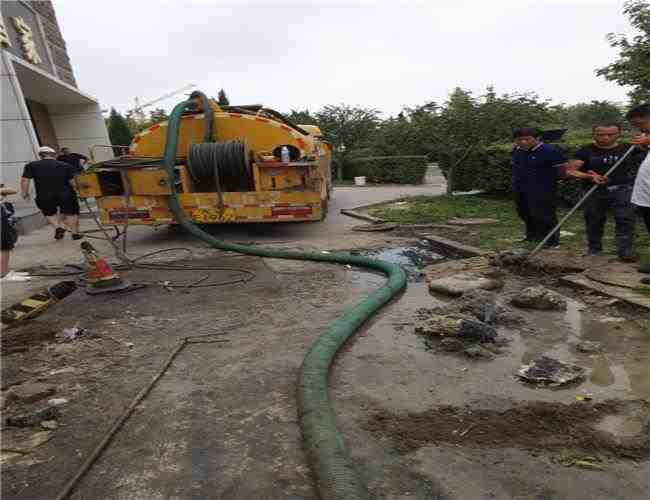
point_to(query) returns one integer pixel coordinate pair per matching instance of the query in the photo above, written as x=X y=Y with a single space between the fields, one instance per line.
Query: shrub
x=389 y=169
x=490 y=169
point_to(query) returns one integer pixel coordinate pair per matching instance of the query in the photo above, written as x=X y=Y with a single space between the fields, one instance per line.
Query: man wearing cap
x=55 y=196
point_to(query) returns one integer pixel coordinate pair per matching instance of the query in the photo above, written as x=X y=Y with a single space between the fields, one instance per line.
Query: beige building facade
x=40 y=103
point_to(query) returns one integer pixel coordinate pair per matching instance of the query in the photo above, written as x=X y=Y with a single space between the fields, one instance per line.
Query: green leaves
x=390 y=169
x=633 y=65
x=118 y=129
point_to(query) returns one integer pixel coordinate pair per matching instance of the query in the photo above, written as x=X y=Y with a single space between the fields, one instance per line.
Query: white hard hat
x=46 y=149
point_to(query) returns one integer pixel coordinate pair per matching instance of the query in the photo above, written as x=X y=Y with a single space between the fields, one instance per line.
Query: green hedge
x=490 y=169
x=388 y=169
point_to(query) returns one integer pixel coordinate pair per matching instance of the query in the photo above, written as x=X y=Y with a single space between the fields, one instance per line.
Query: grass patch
x=501 y=236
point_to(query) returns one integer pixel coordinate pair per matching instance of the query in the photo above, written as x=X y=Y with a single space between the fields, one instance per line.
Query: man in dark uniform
x=535 y=171
x=55 y=196
x=615 y=192
x=76 y=160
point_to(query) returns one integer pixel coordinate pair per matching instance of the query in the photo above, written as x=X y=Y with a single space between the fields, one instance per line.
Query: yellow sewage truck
x=233 y=164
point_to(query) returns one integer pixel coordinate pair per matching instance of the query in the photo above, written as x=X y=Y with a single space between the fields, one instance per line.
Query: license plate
x=295 y=211
x=122 y=215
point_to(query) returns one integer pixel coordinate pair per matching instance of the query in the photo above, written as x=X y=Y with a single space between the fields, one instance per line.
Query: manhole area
x=411 y=258
x=537 y=425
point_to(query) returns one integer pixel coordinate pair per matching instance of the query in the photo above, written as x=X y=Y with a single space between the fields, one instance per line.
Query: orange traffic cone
x=101 y=277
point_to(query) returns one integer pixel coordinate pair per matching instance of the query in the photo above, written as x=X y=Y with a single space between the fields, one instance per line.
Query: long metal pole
x=579 y=204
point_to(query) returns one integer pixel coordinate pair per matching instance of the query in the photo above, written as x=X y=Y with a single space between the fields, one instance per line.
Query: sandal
x=77 y=236
x=59 y=233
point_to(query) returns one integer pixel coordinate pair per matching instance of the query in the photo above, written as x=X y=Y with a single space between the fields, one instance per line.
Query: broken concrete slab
x=589 y=346
x=31 y=392
x=439 y=325
x=617 y=274
x=458 y=284
x=551 y=372
x=456 y=325
x=625 y=294
x=34 y=418
x=539 y=297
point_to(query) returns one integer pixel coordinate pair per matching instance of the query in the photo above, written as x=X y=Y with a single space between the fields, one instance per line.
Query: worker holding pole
x=614 y=192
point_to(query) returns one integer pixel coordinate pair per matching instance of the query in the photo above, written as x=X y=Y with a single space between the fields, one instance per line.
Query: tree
x=156 y=116
x=633 y=65
x=460 y=129
x=347 y=128
x=585 y=115
x=118 y=130
x=302 y=117
x=222 y=98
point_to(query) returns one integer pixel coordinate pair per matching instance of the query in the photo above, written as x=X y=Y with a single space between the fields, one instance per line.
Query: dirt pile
x=537 y=425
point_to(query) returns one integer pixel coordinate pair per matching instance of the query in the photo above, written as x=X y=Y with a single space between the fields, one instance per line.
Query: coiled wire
x=223 y=163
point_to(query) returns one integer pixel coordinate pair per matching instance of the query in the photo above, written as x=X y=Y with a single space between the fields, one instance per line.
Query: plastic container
x=284 y=155
x=360 y=181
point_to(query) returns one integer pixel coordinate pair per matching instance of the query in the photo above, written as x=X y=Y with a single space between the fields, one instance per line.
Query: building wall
x=18 y=142
x=50 y=45
x=64 y=115
x=79 y=127
x=44 y=129
x=55 y=41
x=10 y=11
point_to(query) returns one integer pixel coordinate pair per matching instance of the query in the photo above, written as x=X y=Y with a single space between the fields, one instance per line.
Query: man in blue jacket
x=535 y=171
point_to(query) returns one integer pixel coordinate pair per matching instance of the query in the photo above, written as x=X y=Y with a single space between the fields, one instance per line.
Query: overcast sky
x=306 y=54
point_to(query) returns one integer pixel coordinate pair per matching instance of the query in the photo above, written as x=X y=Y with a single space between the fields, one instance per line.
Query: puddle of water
x=411 y=259
x=621 y=367
x=417 y=378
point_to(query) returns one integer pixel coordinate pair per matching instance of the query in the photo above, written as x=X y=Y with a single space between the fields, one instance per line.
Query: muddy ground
x=420 y=423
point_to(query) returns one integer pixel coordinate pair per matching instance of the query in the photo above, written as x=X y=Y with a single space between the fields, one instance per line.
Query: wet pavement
x=222 y=421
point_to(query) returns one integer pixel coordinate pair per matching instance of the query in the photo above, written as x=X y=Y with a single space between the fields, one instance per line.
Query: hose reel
x=223 y=165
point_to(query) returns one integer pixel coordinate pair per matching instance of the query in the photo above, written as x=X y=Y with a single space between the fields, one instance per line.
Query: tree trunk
x=450 y=178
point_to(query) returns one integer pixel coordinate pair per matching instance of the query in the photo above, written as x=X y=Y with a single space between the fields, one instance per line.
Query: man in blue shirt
x=535 y=171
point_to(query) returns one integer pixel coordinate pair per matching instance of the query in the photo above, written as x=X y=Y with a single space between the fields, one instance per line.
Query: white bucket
x=360 y=181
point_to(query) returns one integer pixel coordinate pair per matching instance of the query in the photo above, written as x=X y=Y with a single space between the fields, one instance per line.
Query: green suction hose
x=335 y=474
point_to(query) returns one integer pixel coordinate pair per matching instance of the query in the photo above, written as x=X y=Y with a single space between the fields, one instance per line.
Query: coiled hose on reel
x=330 y=462
x=223 y=163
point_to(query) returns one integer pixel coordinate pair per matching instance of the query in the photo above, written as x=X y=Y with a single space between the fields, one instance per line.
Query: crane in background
x=137 y=114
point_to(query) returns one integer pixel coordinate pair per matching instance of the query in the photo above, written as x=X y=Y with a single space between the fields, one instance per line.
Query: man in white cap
x=55 y=196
